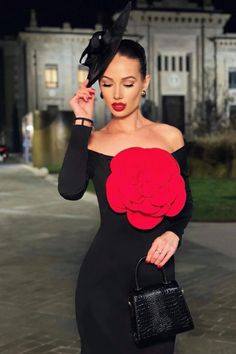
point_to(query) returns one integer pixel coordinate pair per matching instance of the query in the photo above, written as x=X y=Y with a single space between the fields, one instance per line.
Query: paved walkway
x=43 y=239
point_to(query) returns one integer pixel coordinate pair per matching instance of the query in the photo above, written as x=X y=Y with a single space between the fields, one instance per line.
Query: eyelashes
x=106 y=85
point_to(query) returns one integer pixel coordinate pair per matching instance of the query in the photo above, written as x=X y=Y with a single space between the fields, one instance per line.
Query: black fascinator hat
x=103 y=46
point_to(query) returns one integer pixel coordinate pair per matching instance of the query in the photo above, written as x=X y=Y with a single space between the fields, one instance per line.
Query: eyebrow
x=124 y=78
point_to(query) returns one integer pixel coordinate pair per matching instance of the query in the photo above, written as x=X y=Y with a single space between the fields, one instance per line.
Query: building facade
x=189 y=74
x=191 y=61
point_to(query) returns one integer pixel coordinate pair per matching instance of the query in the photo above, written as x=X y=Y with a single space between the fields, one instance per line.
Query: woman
x=128 y=161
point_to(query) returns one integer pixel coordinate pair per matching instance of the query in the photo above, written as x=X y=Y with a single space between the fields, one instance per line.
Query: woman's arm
x=74 y=174
x=178 y=223
x=171 y=239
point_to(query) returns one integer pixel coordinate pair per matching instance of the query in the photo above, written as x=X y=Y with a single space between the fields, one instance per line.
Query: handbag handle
x=142 y=259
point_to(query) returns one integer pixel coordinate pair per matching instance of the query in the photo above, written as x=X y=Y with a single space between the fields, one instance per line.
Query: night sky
x=80 y=13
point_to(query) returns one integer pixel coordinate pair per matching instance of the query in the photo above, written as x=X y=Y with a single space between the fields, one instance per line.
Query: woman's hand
x=167 y=244
x=82 y=102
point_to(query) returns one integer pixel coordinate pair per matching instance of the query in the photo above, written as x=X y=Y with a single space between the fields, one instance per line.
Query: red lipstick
x=118 y=106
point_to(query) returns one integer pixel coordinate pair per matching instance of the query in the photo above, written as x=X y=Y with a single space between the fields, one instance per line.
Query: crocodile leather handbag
x=158 y=311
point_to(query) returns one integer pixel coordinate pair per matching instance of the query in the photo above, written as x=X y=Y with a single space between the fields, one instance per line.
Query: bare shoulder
x=172 y=134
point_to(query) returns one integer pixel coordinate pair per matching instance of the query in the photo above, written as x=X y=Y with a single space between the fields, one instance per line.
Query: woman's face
x=121 y=85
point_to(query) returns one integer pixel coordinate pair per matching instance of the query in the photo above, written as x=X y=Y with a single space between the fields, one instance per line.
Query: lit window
x=81 y=74
x=51 y=75
x=232 y=78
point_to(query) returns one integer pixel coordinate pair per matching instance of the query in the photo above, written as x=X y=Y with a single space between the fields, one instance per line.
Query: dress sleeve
x=178 y=223
x=74 y=173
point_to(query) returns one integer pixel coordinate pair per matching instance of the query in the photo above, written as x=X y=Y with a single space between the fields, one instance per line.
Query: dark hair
x=134 y=50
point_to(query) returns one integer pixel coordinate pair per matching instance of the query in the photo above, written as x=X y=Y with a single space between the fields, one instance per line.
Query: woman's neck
x=128 y=124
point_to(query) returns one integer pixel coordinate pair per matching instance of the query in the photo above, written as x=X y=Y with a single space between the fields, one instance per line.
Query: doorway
x=173 y=111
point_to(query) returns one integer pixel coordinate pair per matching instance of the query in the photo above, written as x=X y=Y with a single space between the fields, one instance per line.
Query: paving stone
x=43 y=241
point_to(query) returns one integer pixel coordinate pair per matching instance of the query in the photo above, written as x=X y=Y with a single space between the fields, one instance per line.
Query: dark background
x=80 y=13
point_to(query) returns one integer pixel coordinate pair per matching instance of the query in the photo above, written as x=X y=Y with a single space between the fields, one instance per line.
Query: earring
x=143 y=94
x=101 y=95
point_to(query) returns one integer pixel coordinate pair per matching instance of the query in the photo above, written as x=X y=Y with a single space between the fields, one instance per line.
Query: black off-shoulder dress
x=106 y=274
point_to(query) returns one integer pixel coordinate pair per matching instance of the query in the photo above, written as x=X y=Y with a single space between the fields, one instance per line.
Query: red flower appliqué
x=146 y=184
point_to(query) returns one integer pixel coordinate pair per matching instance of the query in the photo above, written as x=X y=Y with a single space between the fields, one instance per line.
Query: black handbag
x=157 y=311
